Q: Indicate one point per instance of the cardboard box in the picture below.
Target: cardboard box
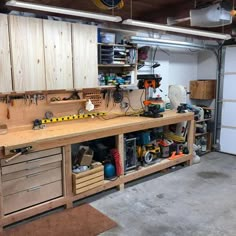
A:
(203, 89)
(85, 156)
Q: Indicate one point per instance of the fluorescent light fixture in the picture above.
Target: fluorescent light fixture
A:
(64, 11)
(177, 29)
(168, 43)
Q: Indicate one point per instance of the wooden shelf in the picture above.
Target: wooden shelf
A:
(147, 170)
(201, 134)
(116, 65)
(67, 101)
(143, 171)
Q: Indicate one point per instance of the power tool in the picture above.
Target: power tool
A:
(152, 106)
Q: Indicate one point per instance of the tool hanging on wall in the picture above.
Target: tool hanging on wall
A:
(117, 94)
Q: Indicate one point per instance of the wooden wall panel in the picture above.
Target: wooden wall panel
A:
(26, 42)
(58, 54)
(85, 65)
(5, 64)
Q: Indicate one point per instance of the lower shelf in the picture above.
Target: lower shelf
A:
(143, 171)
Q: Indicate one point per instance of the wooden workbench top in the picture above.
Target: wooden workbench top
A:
(60, 134)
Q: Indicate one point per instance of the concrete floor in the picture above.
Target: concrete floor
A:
(195, 201)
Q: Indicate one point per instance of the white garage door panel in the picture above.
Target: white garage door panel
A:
(228, 121)
(227, 140)
(229, 87)
(228, 117)
(230, 64)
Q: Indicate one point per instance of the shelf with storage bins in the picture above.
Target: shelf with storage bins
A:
(116, 54)
(118, 62)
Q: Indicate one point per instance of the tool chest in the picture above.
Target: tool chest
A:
(31, 179)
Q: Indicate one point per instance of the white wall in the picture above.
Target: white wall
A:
(176, 67)
(207, 65)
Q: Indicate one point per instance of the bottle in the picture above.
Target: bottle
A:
(203, 144)
(167, 103)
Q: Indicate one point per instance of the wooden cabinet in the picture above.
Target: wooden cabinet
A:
(58, 54)
(5, 65)
(85, 62)
(202, 89)
(31, 179)
(26, 42)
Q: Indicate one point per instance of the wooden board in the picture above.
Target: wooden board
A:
(58, 54)
(85, 64)
(5, 64)
(26, 42)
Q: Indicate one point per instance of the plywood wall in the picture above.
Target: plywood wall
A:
(58, 54)
(5, 66)
(84, 40)
(26, 42)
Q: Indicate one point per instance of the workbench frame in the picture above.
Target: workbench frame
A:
(108, 128)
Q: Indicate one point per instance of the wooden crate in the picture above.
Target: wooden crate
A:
(203, 89)
(87, 180)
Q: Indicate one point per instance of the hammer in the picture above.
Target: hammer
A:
(19, 151)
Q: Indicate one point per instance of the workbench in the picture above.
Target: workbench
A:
(54, 143)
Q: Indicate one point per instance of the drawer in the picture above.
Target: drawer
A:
(32, 164)
(23, 173)
(29, 181)
(32, 156)
(32, 196)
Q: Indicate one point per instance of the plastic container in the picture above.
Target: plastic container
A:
(108, 37)
(167, 103)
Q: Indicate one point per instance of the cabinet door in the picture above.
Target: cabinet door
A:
(58, 54)
(5, 65)
(26, 42)
(84, 40)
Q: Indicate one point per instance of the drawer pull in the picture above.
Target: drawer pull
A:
(32, 161)
(33, 188)
(32, 167)
(32, 175)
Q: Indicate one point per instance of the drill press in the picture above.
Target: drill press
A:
(150, 83)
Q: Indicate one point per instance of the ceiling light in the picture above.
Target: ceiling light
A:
(168, 43)
(64, 11)
(177, 29)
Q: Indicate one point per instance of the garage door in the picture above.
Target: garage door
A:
(228, 117)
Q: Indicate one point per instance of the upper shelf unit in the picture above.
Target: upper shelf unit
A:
(116, 55)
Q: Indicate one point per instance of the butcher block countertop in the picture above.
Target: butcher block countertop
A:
(69, 132)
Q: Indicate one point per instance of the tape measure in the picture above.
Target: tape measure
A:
(72, 117)
(40, 124)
